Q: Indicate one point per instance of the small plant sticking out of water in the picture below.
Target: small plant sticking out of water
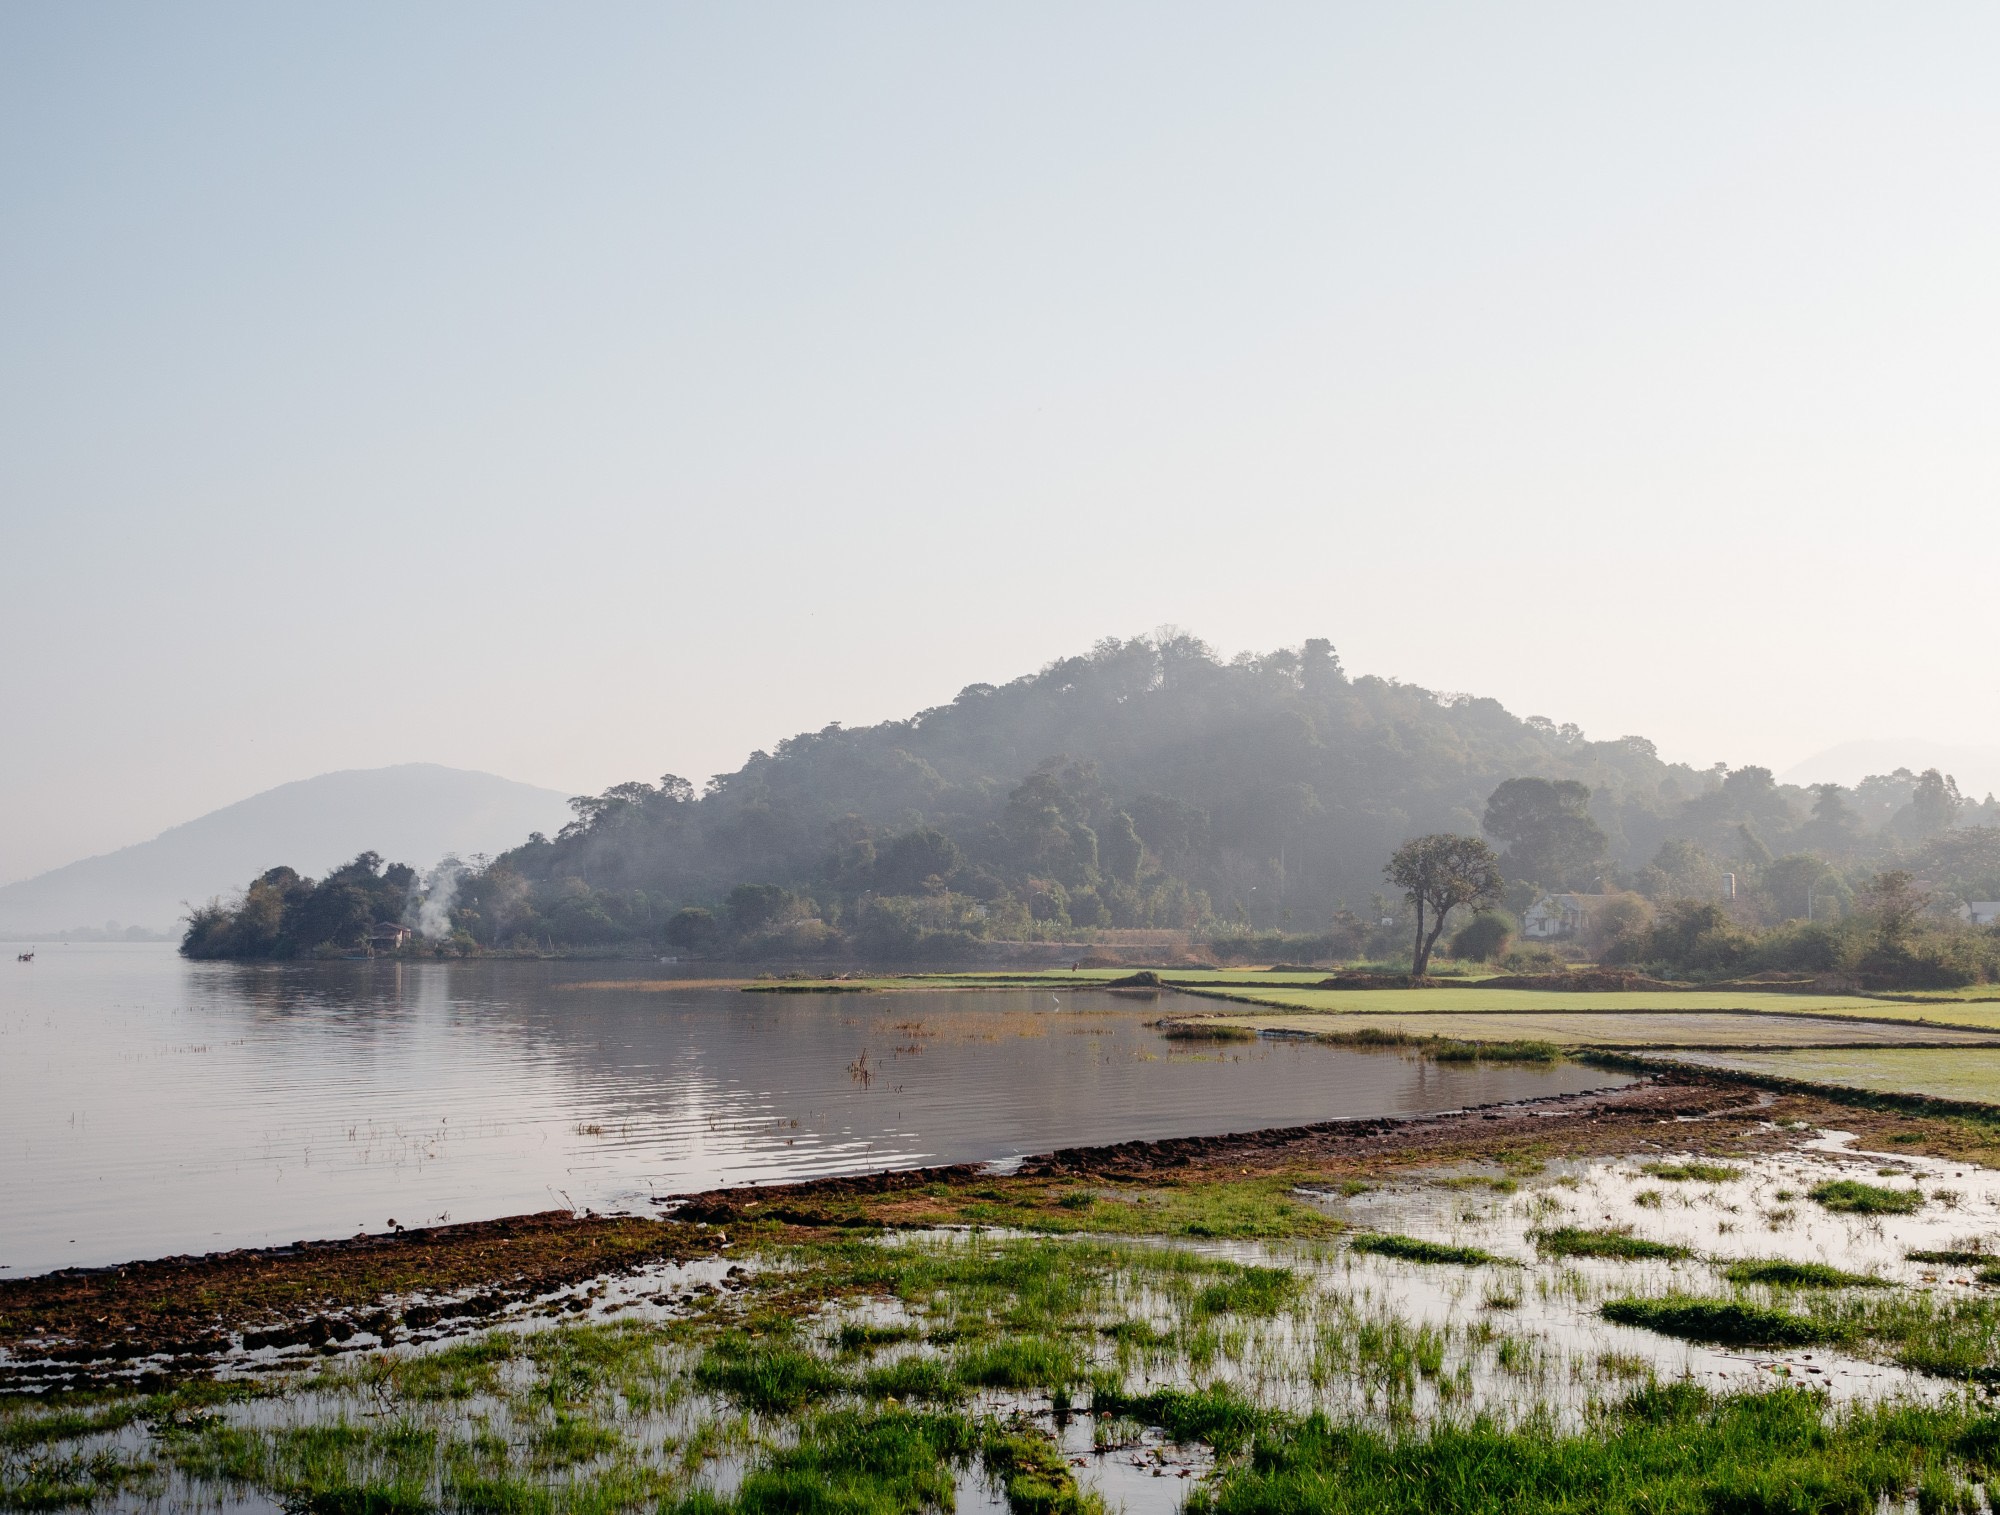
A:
(1847, 1196)
(1783, 1274)
(1725, 1322)
(1500, 1299)
(1416, 1249)
(1649, 1199)
(1691, 1172)
(1577, 1241)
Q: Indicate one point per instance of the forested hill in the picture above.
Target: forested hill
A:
(1144, 784)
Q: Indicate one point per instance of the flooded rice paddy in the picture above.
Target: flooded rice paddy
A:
(150, 1106)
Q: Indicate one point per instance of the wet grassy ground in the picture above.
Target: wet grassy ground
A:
(1675, 1297)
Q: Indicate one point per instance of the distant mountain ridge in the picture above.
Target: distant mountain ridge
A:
(1977, 769)
(414, 812)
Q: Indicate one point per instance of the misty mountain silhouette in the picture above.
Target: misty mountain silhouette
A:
(411, 812)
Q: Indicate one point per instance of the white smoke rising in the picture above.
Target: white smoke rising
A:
(428, 912)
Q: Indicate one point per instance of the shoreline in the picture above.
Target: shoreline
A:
(150, 1322)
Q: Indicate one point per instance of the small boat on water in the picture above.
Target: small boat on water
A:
(24, 957)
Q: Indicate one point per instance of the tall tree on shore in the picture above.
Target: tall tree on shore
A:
(1437, 875)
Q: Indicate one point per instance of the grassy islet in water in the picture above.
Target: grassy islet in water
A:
(1849, 1196)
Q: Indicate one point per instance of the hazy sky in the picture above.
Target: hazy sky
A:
(581, 392)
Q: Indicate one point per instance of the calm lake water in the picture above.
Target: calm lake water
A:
(151, 1106)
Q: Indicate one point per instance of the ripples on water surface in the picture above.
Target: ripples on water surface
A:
(150, 1105)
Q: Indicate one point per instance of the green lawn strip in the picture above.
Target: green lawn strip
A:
(1672, 1448)
(1950, 1083)
(1578, 1241)
(1471, 997)
(1847, 1196)
(1417, 1250)
(1784, 1274)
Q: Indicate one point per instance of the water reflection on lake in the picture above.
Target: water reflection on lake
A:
(151, 1106)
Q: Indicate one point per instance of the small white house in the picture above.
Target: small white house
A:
(1982, 912)
(1555, 916)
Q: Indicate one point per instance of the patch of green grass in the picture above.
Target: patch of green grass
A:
(1416, 1249)
(1780, 1273)
(68, 1423)
(568, 1440)
(1035, 1477)
(766, 1375)
(1705, 1173)
(1669, 1448)
(1233, 1208)
(1217, 1414)
(891, 1462)
(857, 1336)
(925, 1379)
(1848, 1196)
(1579, 1241)
(456, 1372)
(1020, 1362)
(332, 1467)
(1726, 1322)
(1247, 1291)
(47, 1480)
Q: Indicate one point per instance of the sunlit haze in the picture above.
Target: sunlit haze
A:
(579, 393)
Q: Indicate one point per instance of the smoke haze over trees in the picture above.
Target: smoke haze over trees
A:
(1149, 785)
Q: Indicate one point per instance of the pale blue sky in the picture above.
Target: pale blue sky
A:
(581, 392)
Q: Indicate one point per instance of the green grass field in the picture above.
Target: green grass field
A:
(1982, 1017)
(1655, 1028)
(1959, 1073)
